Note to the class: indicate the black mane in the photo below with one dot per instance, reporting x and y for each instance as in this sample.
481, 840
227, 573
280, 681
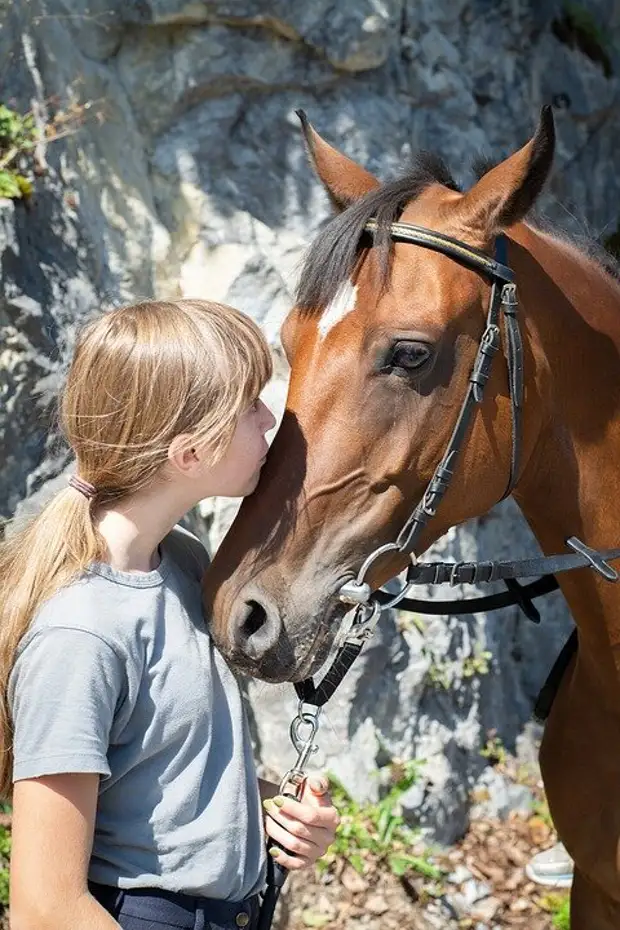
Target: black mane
334, 253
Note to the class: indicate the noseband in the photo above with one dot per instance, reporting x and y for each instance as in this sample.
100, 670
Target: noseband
502, 311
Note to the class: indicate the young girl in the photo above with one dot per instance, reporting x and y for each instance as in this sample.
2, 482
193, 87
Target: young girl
135, 799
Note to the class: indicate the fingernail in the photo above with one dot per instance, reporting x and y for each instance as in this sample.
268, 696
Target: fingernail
267, 803
274, 852
318, 785
278, 800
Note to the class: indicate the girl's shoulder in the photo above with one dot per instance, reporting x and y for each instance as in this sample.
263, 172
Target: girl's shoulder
119, 608
80, 606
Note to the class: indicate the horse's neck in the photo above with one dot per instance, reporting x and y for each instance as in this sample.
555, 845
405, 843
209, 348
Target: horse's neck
571, 484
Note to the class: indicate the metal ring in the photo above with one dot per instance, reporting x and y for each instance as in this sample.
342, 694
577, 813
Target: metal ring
388, 547
398, 597
404, 590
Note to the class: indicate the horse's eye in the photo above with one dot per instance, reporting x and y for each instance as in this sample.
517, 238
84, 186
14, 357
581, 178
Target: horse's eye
408, 356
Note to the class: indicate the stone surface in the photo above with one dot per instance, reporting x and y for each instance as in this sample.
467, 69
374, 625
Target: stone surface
188, 176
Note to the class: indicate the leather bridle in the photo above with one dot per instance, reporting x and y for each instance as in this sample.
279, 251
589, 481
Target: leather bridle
502, 311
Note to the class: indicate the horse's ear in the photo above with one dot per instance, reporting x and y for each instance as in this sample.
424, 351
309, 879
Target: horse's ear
506, 193
343, 179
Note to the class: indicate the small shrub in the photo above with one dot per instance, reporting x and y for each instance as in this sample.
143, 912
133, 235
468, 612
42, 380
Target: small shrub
374, 834
558, 906
19, 138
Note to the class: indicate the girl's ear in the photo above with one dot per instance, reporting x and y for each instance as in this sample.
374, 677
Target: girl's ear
182, 456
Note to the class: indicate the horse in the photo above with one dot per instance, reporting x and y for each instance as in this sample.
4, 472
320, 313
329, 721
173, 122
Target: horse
382, 342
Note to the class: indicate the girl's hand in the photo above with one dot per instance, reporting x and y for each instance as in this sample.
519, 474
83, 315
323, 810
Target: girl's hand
304, 828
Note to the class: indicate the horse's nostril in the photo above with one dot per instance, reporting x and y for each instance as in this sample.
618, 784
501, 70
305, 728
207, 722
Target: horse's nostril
256, 628
255, 618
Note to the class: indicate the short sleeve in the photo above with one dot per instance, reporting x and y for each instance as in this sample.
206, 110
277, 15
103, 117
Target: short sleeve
63, 693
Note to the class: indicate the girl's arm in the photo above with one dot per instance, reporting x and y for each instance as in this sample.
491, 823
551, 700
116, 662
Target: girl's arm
52, 836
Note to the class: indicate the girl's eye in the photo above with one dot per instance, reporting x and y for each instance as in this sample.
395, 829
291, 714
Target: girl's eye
254, 407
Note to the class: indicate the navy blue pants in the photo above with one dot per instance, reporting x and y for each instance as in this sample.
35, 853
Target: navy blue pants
152, 909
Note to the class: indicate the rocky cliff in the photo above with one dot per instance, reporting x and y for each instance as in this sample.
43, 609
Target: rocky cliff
187, 175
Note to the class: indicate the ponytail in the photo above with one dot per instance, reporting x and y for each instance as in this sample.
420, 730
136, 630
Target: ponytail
36, 560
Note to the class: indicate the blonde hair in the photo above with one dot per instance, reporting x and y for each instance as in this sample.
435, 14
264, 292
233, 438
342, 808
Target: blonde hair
140, 376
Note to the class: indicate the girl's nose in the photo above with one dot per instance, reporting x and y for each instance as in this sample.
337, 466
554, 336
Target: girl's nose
268, 418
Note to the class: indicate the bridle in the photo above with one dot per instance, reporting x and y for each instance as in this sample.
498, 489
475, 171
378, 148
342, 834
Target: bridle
368, 605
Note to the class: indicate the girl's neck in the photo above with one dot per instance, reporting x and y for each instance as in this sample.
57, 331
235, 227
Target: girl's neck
134, 528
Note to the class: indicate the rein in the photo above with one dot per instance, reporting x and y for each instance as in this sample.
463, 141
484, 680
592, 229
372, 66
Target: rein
367, 604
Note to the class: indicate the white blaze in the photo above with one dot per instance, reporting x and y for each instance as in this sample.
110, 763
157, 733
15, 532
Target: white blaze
342, 304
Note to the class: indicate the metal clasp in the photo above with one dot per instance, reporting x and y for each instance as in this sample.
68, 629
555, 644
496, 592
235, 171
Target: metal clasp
354, 593
302, 731
363, 628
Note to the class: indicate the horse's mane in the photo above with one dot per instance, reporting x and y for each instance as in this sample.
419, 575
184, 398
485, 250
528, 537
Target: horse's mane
332, 257
335, 251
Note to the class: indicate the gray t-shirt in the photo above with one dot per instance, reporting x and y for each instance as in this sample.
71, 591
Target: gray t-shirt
118, 675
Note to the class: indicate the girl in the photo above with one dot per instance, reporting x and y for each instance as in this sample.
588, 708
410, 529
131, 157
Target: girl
135, 799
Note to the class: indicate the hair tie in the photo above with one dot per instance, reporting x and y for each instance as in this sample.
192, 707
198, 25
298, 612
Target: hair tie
84, 487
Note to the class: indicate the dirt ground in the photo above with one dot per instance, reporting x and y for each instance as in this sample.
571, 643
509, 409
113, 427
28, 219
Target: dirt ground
483, 885
493, 852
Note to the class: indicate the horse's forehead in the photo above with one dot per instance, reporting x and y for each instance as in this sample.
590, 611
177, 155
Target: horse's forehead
341, 305
435, 206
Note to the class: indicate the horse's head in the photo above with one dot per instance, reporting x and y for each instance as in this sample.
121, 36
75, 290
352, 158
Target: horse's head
381, 344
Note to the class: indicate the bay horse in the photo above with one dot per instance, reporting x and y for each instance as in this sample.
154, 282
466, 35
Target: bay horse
382, 342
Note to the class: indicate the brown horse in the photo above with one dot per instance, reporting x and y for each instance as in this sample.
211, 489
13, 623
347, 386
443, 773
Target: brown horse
381, 345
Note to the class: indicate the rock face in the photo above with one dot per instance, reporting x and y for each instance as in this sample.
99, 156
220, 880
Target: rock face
190, 178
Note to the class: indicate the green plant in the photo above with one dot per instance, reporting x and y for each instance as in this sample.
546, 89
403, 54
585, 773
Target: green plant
540, 809
558, 905
478, 664
374, 834
21, 136
18, 137
5, 852
410, 621
439, 673
494, 750
577, 27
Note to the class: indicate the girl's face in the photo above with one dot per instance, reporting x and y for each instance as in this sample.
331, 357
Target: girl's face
237, 472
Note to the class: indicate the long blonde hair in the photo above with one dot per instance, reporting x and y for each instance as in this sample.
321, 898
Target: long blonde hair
140, 376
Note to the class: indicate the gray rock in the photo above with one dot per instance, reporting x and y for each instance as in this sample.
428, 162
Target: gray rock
165, 75
352, 37
484, 911
461, 874
496, 796
95, 25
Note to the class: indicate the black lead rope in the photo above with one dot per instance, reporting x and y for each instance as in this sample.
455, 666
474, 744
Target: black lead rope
276, 876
